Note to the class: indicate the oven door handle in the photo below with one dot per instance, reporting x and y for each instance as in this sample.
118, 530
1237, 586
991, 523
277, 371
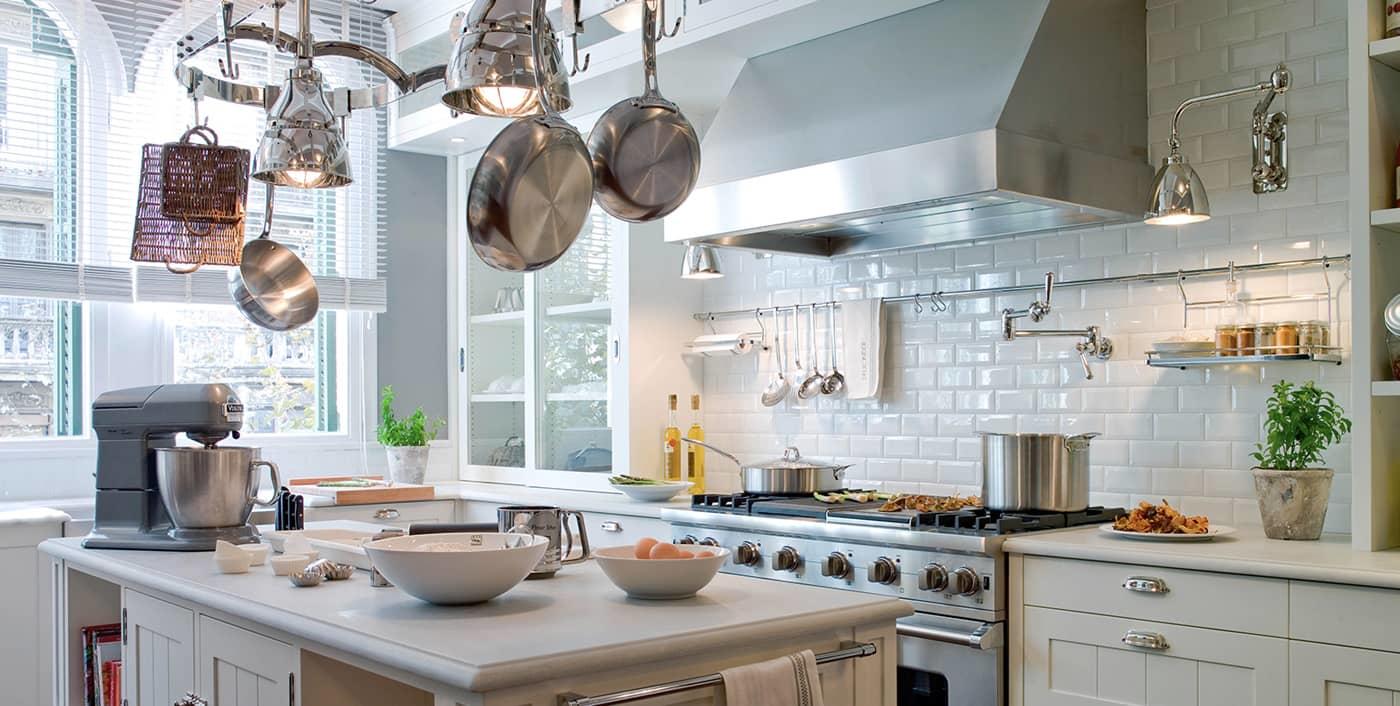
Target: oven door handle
987, 636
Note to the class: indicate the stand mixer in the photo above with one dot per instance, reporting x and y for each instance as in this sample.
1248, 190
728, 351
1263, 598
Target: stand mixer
138, 465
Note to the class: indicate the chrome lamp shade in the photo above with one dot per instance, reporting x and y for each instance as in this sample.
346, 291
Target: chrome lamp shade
701, 262
303, 146
1178, 197
491, 70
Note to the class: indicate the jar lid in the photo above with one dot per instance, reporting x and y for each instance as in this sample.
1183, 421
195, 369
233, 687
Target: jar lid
1266, 327
1392, 315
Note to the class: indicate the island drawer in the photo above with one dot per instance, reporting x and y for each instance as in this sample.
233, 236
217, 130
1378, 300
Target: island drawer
606, 530
395, 514
1355, 616
1225, 602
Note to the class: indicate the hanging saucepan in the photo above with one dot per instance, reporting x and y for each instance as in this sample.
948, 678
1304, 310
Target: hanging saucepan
646, 156
790, 475
530, 195
272, 287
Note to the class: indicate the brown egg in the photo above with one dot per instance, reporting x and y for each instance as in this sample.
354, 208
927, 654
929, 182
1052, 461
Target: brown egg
666, 550
644, 545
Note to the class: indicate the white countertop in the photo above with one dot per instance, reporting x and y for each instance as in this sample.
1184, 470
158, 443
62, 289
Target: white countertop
577, 622
1330, 559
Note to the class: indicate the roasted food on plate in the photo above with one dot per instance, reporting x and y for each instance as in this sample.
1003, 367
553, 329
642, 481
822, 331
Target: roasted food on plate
1161, 519
930, 503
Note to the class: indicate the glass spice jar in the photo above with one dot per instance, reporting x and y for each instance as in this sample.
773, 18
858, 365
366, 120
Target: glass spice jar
1313, 337
1266, 340
1287, 337
1227, 339
1244, 338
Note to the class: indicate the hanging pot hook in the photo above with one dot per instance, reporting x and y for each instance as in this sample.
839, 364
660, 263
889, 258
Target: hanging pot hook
942, 303
570, 10
762, 330
918, 305
229, 69
1185, 303
661, 22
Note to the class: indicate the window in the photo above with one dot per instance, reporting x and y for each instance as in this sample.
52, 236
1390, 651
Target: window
39, 340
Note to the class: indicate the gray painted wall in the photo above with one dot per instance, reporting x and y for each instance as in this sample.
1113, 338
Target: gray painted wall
413, 354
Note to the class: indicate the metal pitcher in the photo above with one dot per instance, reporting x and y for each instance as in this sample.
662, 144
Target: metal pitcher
551, 523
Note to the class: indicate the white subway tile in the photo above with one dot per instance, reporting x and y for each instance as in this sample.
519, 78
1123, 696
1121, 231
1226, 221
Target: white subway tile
1153, 453
1179, 427
1177, 481
1284, 18
1321, 39
1166, 45
1230, 426
1128, 426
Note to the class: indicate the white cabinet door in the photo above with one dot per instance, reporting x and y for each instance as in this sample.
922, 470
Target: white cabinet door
394, 514
242, 668
1341, 676
158, 655
1077, 659
700, 13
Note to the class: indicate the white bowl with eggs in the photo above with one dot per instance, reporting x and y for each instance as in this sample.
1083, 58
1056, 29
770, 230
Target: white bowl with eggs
664, 577
457, 568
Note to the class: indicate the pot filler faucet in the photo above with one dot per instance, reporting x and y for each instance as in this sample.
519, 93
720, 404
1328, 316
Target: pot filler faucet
1094, 343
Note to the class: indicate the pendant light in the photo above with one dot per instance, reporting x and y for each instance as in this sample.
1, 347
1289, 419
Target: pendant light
302, 146
1178, 197
491, 70
701, 262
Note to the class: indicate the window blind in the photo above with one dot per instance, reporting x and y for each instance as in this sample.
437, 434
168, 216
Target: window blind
84, 85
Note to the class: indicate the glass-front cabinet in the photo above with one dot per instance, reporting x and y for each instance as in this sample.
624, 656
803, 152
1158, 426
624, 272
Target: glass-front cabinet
549, 390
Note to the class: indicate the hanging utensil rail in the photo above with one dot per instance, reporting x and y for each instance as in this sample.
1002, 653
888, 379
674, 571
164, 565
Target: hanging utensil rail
849, 650
1178, 275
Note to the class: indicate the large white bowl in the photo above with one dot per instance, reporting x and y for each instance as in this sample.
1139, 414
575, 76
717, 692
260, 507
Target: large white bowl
660, 579
658, 493
456, 568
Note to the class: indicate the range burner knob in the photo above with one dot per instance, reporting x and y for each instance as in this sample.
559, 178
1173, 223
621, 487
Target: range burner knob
688, 539
746, 554
884, 571
933, 578
836, 565
786, 559
966, 582
709, 542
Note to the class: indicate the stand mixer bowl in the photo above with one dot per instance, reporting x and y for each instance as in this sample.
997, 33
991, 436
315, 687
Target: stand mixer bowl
206, 488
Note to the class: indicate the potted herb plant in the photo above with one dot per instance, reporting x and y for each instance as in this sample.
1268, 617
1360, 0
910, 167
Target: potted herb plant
405, 440
1292, 487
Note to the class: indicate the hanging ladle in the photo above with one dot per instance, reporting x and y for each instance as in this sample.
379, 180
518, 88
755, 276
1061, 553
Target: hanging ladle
777, 390
834, 383
812, 385
272, 287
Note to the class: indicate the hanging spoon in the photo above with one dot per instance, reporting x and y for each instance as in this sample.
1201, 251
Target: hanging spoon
835, 382
777, 390
812, 385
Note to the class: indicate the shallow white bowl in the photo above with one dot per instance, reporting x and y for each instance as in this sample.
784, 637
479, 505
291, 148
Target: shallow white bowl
284, 564
258, 552
660, 579
659, 493
456, 568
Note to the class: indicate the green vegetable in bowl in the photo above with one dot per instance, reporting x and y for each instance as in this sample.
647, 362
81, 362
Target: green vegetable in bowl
624, 479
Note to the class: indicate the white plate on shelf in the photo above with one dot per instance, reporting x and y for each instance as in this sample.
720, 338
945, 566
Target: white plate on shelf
1212, 533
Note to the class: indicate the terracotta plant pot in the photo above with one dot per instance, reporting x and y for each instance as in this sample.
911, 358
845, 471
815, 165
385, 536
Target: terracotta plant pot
407, 464
1293, 504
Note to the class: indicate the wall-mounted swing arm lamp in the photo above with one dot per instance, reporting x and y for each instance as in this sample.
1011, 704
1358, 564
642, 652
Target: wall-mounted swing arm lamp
1178, 197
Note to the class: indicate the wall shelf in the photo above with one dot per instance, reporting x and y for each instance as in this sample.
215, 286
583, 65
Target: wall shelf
1386, 51
1387, 218
576, 397
1385, 388
1157, 360
498, 397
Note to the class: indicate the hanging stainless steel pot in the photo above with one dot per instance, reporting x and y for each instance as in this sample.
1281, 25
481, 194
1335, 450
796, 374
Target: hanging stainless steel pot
790, 475
646, 156
272, 287
1035, 472
533, 187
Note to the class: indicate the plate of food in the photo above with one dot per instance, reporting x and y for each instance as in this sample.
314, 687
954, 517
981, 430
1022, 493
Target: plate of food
1164, 523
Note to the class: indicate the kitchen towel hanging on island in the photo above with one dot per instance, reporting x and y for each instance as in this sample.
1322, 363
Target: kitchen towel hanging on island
191, 203
786, 681
862, 346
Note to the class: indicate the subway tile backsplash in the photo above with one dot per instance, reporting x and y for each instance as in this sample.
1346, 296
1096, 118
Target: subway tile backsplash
1181, 435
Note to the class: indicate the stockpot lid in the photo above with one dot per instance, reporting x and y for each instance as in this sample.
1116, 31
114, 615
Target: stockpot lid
792, 459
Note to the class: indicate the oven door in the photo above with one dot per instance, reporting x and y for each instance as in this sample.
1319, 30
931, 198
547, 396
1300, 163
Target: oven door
950, 662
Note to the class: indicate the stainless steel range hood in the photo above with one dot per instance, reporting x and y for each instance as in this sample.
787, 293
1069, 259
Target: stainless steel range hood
959, 120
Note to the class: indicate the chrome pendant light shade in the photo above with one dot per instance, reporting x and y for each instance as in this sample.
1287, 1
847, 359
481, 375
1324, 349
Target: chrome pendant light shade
303, 146
1178, 197
491, 70
701, 262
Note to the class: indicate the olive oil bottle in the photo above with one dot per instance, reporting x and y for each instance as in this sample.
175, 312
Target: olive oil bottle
695, 455
671, 446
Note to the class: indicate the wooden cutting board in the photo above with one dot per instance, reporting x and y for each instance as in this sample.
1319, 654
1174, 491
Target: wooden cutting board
396, 493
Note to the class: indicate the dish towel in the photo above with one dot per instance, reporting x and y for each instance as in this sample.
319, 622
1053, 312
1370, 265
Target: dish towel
785, 681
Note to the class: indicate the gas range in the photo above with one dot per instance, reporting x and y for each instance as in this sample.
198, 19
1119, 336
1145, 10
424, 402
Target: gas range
949, 566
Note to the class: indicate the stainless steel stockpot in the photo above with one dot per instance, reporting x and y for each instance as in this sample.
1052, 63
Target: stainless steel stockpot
789, 475
1044, 472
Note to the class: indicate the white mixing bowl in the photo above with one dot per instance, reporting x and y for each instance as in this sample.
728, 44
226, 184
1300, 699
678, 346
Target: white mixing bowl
659, 579
456, 568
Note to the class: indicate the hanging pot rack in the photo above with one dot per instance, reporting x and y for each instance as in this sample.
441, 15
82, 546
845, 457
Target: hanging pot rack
1179, 276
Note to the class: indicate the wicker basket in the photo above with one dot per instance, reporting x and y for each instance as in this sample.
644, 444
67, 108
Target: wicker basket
193, 240
205, 182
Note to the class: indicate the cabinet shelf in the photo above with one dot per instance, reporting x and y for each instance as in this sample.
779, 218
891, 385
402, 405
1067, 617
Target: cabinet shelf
1386, 51
1385, 388
498, 397
576, 397
1387, 218
505, 318
592, 312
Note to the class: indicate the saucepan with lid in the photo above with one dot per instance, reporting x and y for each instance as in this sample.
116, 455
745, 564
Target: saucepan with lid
790, 475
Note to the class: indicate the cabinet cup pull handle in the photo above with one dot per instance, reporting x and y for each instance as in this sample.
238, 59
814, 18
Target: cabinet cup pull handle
387, 513
1145, 584
1146, 640
611, 526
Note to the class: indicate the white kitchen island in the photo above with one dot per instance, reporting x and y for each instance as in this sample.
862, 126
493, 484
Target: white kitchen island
244, 639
